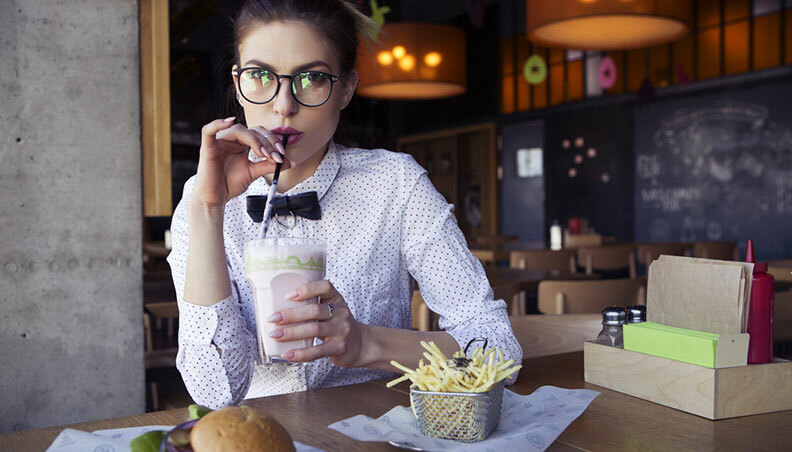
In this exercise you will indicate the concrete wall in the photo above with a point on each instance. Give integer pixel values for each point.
(70, 212)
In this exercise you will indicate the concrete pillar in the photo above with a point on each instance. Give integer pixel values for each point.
(71, 336)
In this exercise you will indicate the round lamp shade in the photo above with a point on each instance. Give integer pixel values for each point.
(413, 61)
(606, 24)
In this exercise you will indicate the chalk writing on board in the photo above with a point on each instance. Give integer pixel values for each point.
(670, 199)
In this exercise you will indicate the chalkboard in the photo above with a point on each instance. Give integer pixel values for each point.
(717, 167)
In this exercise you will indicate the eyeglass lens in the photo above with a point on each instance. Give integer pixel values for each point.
(310, 88)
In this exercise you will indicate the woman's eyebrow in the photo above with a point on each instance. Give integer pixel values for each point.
(299, 68)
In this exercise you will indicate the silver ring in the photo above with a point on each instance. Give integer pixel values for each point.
(330, 308)
(267, 134)
(287, 225)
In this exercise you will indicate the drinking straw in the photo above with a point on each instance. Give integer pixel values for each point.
(271, 195)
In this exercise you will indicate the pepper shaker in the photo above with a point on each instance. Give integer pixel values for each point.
(636, 314)
(613, 319)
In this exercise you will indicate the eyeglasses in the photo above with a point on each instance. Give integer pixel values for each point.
(309, 88)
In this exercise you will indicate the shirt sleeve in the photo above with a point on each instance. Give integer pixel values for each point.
(452, 281)
(216, 351)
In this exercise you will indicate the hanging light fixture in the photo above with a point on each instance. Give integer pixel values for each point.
(606, 24)
(413, 61)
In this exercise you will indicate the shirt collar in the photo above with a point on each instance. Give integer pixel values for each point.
(319, 181)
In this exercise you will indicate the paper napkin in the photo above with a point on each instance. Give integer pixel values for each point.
(527, 423)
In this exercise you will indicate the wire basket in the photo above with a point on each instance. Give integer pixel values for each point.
(460, 416)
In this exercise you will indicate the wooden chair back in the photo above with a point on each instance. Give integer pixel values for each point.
(647, 252)
(421, 315)
(780, 272)
(782, 317)
(580, 240)
(607, 258)
(561, 260)
(724, 250)
(490, 257)
(589, 297)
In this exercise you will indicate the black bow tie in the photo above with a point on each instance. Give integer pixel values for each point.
(304, 205)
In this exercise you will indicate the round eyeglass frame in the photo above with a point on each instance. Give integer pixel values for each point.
(238, 74)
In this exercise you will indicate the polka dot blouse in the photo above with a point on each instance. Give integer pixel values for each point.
(383, 221)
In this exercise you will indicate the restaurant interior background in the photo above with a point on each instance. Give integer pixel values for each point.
(690, 140)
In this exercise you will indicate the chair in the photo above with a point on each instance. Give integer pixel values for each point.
(490, 257)
(580, 240)
(608, 258)
(647, 252)
(561, 260)
(782, 317)
(589, 297)
(726, 251)
(421, 315)
(158, 359)
(492, 241)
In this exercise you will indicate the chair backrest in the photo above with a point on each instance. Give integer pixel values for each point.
(609, 257)
(780, 272)
(647, 252)
(782, 316)
(492, 241)
(561, 260)
(726, 251)
(421, 315)
(577, 241)
(589, 297)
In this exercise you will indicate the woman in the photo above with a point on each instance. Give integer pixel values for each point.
(381, 218)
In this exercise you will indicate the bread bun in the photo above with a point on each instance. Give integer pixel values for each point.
(239, 429)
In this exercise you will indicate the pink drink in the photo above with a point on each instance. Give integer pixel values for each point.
(274, 267)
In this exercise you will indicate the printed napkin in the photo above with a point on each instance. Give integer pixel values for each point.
(527, 423)
(117, 440)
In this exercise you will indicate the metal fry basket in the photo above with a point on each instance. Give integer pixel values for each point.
(460, 416)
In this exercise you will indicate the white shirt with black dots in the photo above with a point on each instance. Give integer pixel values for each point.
(382, 221)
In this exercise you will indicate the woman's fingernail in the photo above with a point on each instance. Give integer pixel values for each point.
(275, 318)
(277, 157)
(291, 295)
(229, 119)
(280, 148)
(265, 152)
(276, 333)
(288, 355)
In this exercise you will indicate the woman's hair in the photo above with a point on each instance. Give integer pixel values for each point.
(336, 20)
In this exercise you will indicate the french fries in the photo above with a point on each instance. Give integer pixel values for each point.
(458, 374)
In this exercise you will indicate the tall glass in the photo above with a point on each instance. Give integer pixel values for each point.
(274, 267)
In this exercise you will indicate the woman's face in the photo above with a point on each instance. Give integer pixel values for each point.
(286, 49)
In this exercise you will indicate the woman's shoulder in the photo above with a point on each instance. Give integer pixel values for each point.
(378, 161)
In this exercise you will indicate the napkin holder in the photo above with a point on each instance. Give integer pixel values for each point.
(705, 296)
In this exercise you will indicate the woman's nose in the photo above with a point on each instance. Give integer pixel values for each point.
(284, 103)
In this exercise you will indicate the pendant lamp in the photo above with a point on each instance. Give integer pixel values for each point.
(607, 24)
(413, 61)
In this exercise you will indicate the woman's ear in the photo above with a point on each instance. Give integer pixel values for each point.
(349, 87)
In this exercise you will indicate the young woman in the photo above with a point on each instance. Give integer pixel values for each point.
(381, 219)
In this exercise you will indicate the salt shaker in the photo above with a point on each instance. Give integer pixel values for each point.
(613, 319)
(636, 314)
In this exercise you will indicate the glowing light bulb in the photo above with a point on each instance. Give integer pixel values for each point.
(399, 52)
(432, 59)
(407, 63)
(385, 58)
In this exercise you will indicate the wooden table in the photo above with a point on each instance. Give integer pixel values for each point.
(613, 421)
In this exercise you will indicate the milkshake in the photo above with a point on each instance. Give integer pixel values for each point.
(274, 267)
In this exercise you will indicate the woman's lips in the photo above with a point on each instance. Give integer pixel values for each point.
(293, 138)
(294, 134)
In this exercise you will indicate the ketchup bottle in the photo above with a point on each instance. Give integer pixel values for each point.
(760, 312)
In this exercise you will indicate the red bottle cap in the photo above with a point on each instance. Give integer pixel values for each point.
(759, 267)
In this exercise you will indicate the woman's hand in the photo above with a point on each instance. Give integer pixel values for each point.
(341, 334)
(224, 170)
